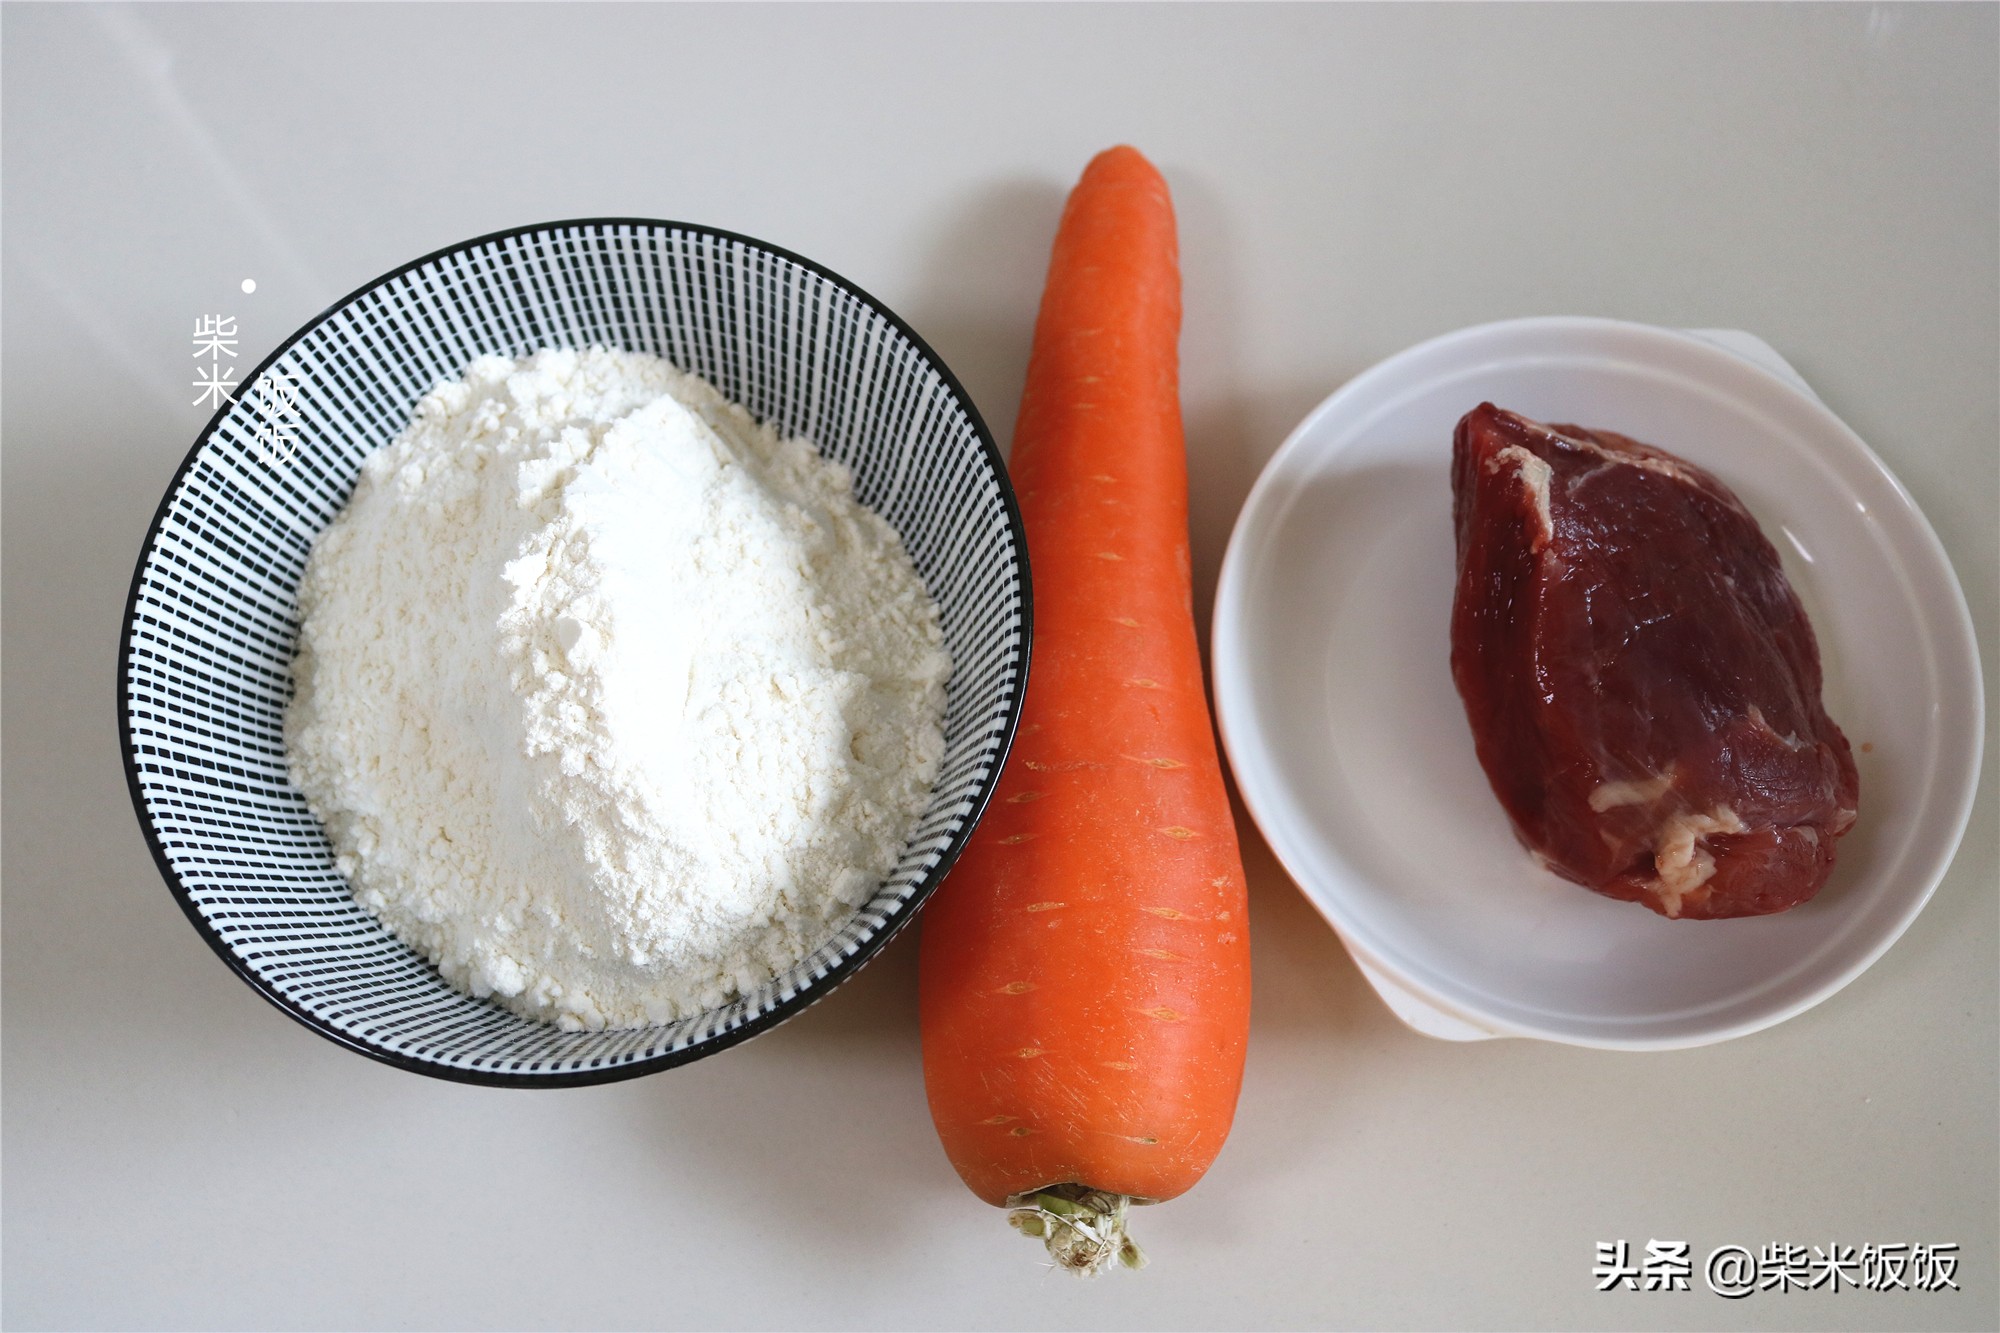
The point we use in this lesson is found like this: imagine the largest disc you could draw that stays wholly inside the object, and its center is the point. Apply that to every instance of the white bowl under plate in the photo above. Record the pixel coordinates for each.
(1333, 690)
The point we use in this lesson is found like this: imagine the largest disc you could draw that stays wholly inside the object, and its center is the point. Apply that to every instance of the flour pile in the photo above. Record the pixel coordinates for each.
(613, 702)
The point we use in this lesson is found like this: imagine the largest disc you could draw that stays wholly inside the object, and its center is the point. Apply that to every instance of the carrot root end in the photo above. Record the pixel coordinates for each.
(1083, 1228)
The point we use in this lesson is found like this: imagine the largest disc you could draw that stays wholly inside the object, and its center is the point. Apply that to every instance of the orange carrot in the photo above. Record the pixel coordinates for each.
(1085, 969)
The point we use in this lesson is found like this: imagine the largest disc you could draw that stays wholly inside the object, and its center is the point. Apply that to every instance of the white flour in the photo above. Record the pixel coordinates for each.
(613, 703)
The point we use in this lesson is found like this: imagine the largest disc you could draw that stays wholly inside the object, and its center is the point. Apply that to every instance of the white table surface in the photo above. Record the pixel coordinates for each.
(1349, 180)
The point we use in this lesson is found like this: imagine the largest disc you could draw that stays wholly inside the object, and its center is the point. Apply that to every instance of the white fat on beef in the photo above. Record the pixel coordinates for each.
(1651, 460)
(1612, 795)
(1788, 739)
(1680, 860)
(1534, 474)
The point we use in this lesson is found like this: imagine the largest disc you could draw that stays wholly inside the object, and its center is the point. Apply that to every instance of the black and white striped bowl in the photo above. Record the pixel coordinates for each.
(205, 662)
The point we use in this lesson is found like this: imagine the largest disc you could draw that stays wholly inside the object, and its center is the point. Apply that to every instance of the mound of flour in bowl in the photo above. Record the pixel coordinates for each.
(613, 702)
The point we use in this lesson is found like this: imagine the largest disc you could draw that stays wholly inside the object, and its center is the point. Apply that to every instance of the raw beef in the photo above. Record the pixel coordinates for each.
(1643, 686)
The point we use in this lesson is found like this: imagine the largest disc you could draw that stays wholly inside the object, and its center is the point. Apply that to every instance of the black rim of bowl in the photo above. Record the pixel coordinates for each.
(807, 995)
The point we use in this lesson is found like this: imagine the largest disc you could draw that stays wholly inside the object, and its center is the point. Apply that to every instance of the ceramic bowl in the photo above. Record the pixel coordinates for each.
(1351, 748)
(205, 662)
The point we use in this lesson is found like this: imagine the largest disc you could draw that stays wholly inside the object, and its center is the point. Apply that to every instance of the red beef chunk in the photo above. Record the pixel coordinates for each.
(1642, 683)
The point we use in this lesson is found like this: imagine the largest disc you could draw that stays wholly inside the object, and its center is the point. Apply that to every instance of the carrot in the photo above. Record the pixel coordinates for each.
(1085, 969)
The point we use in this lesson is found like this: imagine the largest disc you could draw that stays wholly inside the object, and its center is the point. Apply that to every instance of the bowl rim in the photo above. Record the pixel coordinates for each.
(805, 996)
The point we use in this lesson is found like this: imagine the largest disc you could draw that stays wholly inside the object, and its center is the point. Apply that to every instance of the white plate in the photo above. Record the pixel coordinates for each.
(1334, 694)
